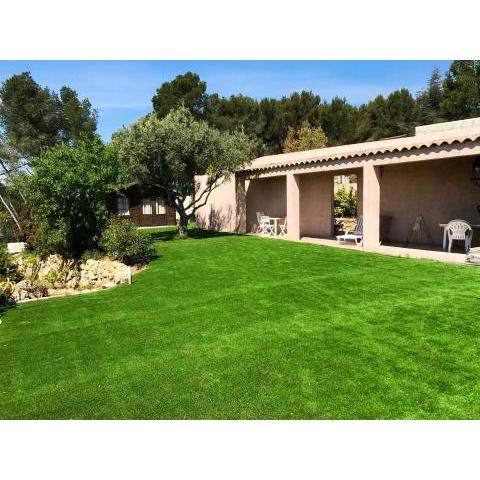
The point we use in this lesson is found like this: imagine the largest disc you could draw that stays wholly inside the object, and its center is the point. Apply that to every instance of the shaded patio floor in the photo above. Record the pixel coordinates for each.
(429, 252)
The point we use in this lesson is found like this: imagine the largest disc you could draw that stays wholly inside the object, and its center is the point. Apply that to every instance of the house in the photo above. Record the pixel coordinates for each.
(144, 205)
(433, 175)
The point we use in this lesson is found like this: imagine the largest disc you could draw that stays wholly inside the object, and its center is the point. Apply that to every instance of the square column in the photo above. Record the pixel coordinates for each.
(240, 204)
(293, 207)
(371, 207)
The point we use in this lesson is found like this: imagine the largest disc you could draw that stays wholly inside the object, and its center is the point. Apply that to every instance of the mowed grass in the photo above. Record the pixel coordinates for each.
(231, 327)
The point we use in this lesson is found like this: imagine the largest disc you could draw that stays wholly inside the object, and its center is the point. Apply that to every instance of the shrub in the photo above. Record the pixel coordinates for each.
(68, 193)
(5, 259)
(124, 242)
(345, 203)
(91, 255)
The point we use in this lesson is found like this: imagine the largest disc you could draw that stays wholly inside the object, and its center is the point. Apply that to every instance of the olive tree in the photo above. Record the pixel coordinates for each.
(169, 152)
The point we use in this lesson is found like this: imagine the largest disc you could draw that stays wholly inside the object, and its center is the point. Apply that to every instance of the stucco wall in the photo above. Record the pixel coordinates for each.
(316, 205)
(268, 195)
(220, 211)
(438, 190)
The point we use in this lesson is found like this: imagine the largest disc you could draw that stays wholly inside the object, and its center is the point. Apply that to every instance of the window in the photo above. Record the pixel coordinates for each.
(146, 206)
(160, 206)
(122, 206)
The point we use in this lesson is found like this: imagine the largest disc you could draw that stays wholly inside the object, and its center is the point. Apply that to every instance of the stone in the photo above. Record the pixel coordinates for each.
(68, 275)
(27, 290)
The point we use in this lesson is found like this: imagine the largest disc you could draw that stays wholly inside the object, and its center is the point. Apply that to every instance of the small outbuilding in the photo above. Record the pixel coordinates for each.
(144, 205)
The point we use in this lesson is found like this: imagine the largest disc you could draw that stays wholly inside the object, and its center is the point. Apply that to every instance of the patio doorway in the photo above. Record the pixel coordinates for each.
(346, 201)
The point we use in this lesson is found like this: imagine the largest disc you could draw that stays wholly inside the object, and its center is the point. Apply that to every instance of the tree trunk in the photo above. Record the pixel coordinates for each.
(183, 223)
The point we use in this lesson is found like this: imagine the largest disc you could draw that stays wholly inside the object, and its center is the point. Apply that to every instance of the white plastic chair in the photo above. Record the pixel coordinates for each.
(266, 226)
(356, 235)
(459, 230)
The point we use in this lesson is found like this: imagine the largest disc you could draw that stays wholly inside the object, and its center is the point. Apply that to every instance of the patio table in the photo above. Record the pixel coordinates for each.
(444, 226)
(275, 223)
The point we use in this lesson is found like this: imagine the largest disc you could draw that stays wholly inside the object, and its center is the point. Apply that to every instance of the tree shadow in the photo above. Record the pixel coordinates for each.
(193, 234)
(5, 307)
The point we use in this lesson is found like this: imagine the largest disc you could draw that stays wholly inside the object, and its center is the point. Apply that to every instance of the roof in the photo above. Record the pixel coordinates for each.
(422, 140)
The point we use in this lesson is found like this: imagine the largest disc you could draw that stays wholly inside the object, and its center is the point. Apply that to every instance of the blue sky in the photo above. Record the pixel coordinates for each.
(122, 90)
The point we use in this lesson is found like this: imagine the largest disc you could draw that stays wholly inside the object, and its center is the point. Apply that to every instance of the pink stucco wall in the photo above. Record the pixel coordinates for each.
(220, 211)
(267, 195)
(439, 191)
(316, 204)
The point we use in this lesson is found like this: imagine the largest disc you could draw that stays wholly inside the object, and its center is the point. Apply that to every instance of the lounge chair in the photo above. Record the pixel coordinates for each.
(356, 235)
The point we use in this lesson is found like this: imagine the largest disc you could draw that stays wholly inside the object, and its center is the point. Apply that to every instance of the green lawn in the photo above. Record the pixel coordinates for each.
(241, 327)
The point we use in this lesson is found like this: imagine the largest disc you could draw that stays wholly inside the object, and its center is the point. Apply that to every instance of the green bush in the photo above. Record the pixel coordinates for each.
(345, 203)
(124, 242)
(5, 259)
(91, 255)
(68, 194)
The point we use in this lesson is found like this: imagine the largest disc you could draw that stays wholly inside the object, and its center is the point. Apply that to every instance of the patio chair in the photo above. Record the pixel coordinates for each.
(266, 226)
(459, 230)
(283, 228)
(356, 235)
(259, 216)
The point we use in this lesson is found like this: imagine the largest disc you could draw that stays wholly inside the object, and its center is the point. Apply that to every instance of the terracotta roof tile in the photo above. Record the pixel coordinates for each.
(366, 149)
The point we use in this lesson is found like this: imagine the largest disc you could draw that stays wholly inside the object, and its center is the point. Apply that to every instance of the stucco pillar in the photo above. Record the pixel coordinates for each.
(293, 207)
(371, 207)
(241, 204)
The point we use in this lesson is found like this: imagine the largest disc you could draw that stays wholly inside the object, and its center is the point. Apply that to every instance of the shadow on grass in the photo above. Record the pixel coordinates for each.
(6, 306)
(193, 234)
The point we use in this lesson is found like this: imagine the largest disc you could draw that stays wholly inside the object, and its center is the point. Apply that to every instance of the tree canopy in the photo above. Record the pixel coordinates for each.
(266, 120)
(187, 90)
(461, 90)
(168, 152)
(304, 138)
(67, 194)
(35, 117)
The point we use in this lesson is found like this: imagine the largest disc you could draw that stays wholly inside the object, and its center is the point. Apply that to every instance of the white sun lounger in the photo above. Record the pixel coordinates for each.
(356, 235)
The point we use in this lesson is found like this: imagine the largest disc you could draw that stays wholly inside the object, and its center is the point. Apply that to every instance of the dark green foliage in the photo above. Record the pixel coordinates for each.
(29, 114)
(68, 195)
(78, 118)
(339, 121)
(388, 117)
(124, 242)
(238, 327)
(35, 117)
(429, 101)
(5, 260)
(461, 90)
(345, 203)
(92, 255)
(187, 90)
(267, 120)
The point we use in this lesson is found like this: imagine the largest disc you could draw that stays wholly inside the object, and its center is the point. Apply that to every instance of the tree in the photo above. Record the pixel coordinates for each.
(429, 101)
(187, 90)
(388, 117)
(273, 125)
(302, 106)
(305, 138)
(68, 195)
(339, 121)
(461, 90)
(28, 114)
(77, 118)
(35, 118)
(170, 151)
